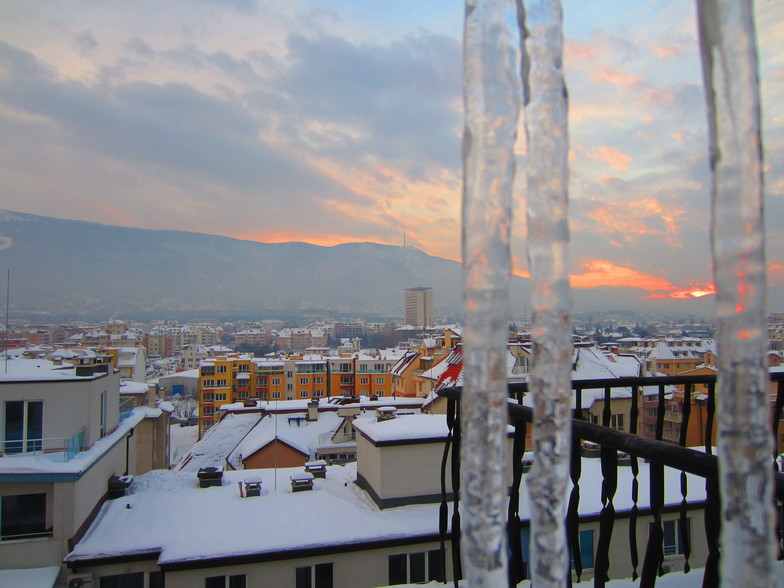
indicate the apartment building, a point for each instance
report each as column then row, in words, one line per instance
column 418, row 307
column 223, row 379
column 64, row 442
column 372, row 523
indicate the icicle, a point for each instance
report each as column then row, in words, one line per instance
column 727, row 40
column 546, row 107
column 491, row 95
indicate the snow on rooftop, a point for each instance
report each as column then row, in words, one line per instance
column 293, row 429
column 335, row 512
column 127, row 387
column 17, row 369
column 30, row 578
column 216, row 444
column 415, row 426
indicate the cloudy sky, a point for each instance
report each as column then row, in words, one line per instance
column 338, row 121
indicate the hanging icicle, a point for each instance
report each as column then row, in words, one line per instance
column 492, row 96
column 727, row 39
column 546, row 107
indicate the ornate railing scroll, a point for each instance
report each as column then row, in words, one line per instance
column 700, row 462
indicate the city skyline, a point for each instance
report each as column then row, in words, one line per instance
column 341, row 123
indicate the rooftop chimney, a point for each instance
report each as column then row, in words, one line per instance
column 386, row 413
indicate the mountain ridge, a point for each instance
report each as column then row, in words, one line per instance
column 62, row 267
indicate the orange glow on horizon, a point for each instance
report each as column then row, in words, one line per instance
column 694, row 291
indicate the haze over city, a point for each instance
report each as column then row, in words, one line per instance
column 340, row 122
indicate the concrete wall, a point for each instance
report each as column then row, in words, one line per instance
column 356, row 569
column 406, row 472
column 69, row 406
column 275, row 454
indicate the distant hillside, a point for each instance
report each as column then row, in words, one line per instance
column 66, row 268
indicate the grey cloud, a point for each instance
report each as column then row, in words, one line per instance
column 85, row 42
column 401, row 95
column 170, row 125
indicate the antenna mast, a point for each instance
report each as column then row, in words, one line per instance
column 7, row 325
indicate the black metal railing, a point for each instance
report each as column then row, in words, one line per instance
column 656, row 451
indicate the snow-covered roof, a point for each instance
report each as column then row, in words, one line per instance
column 291, row 428
column 405, row 427
column 17, row 369
column 590, row 363
column 335, row 513
column 133, row 388
column 216, row 444
column 30, row 578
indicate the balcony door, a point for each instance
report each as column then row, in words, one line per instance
column 24, row 425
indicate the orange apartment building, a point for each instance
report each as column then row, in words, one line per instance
column 431, row 352
column 222, row 380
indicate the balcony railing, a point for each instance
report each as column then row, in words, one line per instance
column 56, row 449
column 126, row 408
column 696, row 461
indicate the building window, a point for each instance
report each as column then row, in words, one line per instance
column 303, row 381
column 208, row 384
column 318, row 379
column 23, row 517
column 221, row 369
column 221, row 396
column 303, row 393
column 318, row 393
column 276, row 395
column 132, row 580
column 222, row 383
column 364, row 381
column 235, row 581
column 262, row 382
column 345, row 367
column 243, row 394
column 380, row 381
column 586, row 547
column 380, row 393
column 208, row 396
column 410, row 568
column 318, row 576
column 208, row 410
column 24, row 425
column 276, row 381
column 673, row 542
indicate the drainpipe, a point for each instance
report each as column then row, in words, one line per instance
column 128, row 450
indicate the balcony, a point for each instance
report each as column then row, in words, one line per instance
column 665, row 538
column 54, row 449
column 126, row 408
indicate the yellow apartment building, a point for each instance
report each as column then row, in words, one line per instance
column 222, row 380
column 270, row 379
column 373, row 375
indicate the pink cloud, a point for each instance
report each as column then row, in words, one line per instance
column 615, row 158
column 666, row 51
column 633, row 219
column 601, row 272
column 616, row 77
